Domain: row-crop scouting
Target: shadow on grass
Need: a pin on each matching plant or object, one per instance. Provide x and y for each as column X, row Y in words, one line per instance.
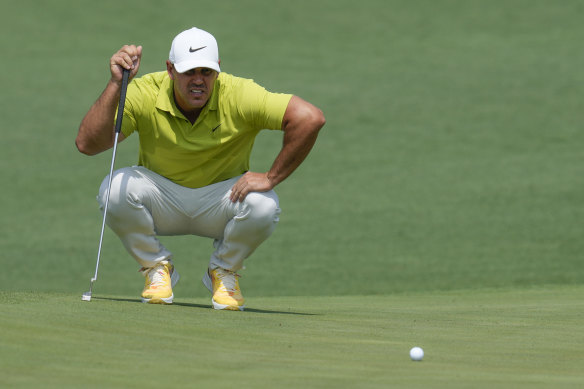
column 205, row 306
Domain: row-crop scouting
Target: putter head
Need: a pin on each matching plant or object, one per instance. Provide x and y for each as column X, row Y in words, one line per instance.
column 87, row 295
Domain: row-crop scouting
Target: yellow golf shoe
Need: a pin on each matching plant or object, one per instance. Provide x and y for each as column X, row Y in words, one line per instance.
column 159, row 282
column 225, row 288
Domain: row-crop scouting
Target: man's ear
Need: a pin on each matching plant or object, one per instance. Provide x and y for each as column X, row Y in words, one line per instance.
column 169, row 69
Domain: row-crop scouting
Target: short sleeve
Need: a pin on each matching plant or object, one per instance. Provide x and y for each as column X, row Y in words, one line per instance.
column 261, row 108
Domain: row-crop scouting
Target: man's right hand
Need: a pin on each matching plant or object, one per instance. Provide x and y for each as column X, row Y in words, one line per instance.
column 128, row 57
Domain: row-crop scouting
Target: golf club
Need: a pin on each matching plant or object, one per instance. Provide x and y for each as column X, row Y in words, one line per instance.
column 126, row 74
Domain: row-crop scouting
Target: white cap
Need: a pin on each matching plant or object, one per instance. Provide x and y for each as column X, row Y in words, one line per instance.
column 194, row 48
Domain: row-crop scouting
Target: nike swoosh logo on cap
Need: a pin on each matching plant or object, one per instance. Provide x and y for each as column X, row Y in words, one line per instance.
column 191, row 50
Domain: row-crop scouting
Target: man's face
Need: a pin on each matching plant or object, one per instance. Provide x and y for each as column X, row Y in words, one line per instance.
column 192, row 88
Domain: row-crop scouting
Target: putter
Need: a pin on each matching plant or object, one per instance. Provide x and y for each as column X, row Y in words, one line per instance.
column 126, row 74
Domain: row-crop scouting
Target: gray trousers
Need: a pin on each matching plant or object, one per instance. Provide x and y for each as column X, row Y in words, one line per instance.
column 144, row 205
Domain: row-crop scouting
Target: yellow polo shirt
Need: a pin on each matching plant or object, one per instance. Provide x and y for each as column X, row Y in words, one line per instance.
column 213, row 149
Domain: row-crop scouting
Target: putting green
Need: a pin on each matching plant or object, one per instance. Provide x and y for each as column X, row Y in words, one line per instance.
column 483, row 338
column 451, row 159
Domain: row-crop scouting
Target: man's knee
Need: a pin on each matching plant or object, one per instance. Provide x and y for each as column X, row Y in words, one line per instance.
column 263, row 207
column 123, row 191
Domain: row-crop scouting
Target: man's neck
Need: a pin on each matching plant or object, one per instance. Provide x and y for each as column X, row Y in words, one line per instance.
column 190, row 115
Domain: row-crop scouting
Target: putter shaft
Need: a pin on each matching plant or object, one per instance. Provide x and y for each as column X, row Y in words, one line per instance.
column 118, row 127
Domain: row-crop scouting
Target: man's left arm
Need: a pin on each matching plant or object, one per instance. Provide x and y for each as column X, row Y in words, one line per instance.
column 301, row 124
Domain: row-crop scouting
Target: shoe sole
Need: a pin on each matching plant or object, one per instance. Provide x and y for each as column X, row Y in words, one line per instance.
column 224, row 307
column 174, row 277
column 158, row 300
column 209, row 285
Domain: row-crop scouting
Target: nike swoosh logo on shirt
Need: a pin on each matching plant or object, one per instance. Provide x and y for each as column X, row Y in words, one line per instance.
column 213, row 130
column 191, row 50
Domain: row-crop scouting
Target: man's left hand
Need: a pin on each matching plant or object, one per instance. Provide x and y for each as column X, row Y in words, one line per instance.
column 250, row 182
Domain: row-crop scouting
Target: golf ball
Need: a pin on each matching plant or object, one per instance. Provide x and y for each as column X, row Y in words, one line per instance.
column 416, row 353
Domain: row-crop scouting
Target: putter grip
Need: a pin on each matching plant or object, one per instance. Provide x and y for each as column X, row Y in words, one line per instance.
column 125, row 77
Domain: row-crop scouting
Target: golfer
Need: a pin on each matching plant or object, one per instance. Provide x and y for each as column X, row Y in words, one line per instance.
column 196, row 128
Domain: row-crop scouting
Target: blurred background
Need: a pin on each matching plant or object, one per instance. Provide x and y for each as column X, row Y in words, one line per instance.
column 452, row 157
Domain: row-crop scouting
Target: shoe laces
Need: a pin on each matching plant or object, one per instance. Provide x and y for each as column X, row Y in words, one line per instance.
column 228, row 279
column 157, row 276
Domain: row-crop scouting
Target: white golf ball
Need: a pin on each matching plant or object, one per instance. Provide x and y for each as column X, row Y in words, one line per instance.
column 416, row 353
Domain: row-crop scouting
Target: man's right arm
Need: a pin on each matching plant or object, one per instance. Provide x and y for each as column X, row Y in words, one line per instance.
column 96, row 132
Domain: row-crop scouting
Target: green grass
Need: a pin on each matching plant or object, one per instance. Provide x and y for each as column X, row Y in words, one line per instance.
column 516, row 338
column 452, row 151
column 451, row 161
